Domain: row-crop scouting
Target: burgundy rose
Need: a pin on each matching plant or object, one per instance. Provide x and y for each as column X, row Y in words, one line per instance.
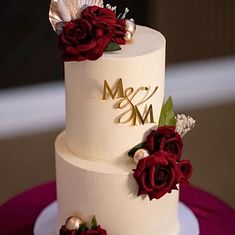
column 80, row 40
column 186, row 169
column 96, row 231
column 167, row 139
column 64, row 231
column 117, row 32
column 157, row 174
column 99, row 15
column 104, row 18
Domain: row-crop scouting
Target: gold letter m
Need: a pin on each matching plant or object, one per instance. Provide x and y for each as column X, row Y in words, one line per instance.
column 143, row 119
column 118, row 91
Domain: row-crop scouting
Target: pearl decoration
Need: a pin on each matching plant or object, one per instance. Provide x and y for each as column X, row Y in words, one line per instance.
column 130, row 29
column 140, row 154
column 130, row 26
column 128, row 36
column 73, row 223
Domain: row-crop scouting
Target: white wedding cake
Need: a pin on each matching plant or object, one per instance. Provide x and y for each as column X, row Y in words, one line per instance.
column 114, row 101
column 93, row 170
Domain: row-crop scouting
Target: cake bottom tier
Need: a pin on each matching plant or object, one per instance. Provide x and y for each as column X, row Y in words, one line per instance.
column 108, row 191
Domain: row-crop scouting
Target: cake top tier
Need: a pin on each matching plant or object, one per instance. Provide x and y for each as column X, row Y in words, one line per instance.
column 113, row 101
column 88, row 29
column 145, row 41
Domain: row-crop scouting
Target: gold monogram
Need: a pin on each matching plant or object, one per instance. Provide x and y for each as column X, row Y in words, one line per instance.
column 127, row 99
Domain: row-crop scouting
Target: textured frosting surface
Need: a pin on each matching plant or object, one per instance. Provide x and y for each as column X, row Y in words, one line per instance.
column 92, row 129
column 108, row 191
column 145, row 41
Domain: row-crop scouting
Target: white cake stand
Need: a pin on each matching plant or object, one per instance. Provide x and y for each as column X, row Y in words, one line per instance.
column 46, row 221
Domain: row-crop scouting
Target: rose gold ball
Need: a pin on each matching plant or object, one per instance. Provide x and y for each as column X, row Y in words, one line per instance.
column 140, row 154
column 73, row 223
column 130, row 26
column 128, row 36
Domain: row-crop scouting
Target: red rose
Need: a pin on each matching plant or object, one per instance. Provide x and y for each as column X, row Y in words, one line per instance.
column 64, row 231
column 157, row 174
column 80, row 40
column 99, row 15
column 167, row 139
column 117, row 32
column 186, row 169
column 96, row 231
column 104, row 18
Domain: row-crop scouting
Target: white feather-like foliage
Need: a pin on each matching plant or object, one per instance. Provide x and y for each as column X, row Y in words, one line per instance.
column 64, row 10
column 184, row 124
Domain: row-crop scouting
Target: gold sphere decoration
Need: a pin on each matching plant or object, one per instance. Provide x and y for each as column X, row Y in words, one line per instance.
column 140, row 154
column 73, row 223
column 130, row 26
column 128, row 36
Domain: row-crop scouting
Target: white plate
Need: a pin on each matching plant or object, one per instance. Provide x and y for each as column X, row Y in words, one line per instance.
column 46, row 221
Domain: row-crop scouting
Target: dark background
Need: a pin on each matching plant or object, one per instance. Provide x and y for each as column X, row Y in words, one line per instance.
column 194, row 30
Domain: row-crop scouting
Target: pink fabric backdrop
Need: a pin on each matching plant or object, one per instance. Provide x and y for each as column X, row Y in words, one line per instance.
column 17, row 216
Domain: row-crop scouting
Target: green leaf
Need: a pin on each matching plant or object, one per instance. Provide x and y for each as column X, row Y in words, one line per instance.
column 82, row 228
column 93, row 222
column 112, row 46
column 167, row 115
column 134, row 149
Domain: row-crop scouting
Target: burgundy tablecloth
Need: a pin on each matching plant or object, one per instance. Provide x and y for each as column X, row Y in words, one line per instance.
column 17, row 216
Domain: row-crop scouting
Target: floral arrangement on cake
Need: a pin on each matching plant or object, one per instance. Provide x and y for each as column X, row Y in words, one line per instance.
column 75, row 226
column 159, row 165
column 86, row 29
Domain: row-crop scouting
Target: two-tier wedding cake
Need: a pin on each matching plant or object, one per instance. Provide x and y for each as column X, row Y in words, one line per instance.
column 119, row 158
